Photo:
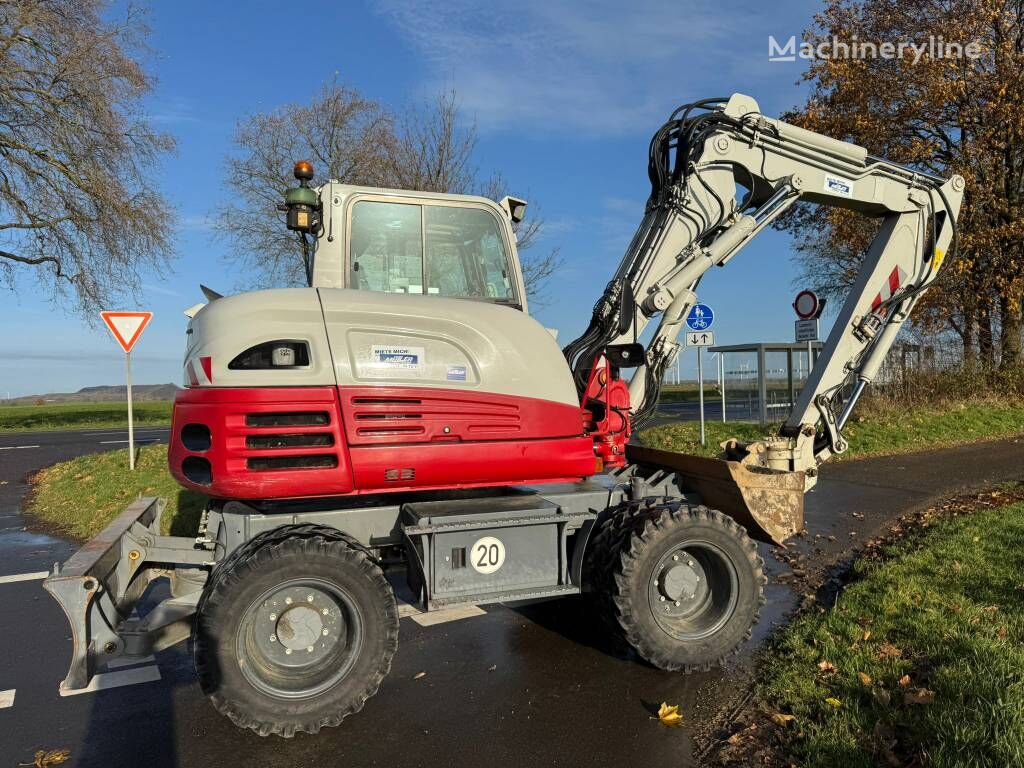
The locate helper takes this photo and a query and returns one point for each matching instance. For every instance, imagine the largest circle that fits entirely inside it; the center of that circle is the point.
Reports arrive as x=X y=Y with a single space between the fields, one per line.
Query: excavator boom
x=694 y=220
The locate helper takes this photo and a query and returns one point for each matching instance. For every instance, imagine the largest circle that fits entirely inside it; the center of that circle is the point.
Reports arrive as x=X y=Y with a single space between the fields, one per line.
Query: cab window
x=435 y=249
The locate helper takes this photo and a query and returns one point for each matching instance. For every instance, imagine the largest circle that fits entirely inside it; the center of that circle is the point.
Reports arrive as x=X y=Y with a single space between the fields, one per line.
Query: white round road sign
x=806 y=305
x=487 y=554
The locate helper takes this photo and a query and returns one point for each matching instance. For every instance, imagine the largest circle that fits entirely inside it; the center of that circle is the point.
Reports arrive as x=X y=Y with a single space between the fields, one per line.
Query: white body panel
x=432 y=341
x=230 y=325
x=381 y=339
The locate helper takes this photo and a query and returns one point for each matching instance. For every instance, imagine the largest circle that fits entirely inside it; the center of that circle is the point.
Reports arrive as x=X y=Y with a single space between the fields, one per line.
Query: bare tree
x=347 y=137
x=78 y=207
x=353 y=140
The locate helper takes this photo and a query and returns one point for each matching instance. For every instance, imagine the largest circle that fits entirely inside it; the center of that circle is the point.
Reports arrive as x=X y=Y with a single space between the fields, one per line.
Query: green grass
x=80 y=497
x=946 y=610
x=877 y=434
x=37 y=418
x=684 y=436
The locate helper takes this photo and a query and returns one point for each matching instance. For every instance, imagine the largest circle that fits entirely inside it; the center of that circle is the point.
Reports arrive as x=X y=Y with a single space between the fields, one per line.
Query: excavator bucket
x=767 y=502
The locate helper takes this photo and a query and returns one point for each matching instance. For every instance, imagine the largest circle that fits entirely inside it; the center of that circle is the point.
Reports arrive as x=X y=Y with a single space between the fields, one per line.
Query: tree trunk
x=986 y=345
x=1010 y=338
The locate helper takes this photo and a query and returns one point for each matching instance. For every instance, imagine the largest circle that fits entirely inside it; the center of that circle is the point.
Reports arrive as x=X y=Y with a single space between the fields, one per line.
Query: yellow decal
x=937 y=259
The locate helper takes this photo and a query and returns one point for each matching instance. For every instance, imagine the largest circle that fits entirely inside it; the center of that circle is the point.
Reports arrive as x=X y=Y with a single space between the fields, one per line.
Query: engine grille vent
x=310 y=419
x=267 y=442
x=267 y=463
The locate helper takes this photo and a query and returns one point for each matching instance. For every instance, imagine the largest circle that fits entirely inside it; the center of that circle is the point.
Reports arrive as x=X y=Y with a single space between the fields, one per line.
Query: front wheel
x=295 y=634
x=683 y=584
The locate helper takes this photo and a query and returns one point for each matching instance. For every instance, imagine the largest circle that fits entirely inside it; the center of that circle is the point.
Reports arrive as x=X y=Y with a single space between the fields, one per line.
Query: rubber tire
x=246 y=575
x=628 y=549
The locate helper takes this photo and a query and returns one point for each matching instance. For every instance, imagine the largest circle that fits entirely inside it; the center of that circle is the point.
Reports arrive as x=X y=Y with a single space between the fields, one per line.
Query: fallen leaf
x=866 y=636
x=833 y=702
x=419 y=675
x=904 y=682
x=882 y=696
x=1002 y=632
x=919 y=696
x=826 y=666
x=781 y=718
x=670 y=715
x=44 y=758
x=889 y=651
x=864 y=678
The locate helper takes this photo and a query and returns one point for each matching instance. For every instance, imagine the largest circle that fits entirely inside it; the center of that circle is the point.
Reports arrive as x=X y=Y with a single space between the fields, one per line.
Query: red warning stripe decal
x=896 y=278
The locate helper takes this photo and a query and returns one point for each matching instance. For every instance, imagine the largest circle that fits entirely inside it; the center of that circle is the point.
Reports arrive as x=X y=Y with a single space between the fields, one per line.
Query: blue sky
x=565 y=97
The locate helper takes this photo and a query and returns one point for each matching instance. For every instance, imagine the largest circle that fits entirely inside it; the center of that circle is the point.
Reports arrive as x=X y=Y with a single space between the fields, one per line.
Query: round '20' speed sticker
x=487 y=554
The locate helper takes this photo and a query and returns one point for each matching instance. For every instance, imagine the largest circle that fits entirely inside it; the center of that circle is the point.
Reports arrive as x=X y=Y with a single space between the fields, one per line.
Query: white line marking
x=129 y=661
x=445 y=615
x=107 y=680
x=14 y=577
x=7 y=699
x=408 y=609
x=16 y=447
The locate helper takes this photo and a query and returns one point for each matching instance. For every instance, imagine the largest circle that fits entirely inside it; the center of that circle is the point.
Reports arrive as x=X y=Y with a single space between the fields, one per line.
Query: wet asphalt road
x=511 y=687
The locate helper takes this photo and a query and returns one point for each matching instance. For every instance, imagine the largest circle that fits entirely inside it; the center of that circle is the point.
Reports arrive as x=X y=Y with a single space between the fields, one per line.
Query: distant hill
x=102 y=394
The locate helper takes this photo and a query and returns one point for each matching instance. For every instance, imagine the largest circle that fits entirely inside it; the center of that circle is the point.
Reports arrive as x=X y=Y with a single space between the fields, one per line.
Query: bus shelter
x=760 y=382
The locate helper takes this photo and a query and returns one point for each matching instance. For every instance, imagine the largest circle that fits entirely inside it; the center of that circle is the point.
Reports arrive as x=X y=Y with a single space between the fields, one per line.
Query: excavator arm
x=720 y=173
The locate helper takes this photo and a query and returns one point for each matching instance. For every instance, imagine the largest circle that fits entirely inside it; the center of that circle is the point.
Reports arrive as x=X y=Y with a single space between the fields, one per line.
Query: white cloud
x=604 y=68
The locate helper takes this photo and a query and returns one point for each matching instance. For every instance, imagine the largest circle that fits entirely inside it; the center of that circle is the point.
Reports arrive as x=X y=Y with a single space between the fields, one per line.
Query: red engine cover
x=263 y=443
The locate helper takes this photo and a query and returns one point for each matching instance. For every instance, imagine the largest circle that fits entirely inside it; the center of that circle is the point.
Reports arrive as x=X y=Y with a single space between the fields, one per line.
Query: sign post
x=808 y=308
x=126 y=328
x=699 y=321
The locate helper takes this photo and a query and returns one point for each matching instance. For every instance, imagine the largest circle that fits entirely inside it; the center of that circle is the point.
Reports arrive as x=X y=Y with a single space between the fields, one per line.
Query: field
x=919 y=662
x=37 y=418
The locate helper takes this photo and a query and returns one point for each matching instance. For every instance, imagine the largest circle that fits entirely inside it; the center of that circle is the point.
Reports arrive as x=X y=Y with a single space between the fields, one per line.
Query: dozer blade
x=768 y=503
x=93 y=587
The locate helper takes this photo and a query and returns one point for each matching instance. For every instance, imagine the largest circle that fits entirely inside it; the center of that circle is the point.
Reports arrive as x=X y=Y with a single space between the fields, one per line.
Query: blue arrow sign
x=701 y=318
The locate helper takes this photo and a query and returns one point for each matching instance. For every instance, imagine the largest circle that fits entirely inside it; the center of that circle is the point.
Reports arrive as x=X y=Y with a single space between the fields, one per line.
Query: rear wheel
x=295 y=632
x=682 y=585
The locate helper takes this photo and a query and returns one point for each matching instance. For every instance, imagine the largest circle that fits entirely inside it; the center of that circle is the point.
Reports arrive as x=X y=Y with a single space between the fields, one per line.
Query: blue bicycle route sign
x=700 y=318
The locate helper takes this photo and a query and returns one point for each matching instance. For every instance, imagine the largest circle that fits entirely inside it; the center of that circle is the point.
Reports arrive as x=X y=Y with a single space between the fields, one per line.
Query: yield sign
x=126 y=326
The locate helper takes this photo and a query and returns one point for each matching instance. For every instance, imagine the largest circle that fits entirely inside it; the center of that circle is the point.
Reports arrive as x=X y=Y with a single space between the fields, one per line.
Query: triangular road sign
x=126 y=327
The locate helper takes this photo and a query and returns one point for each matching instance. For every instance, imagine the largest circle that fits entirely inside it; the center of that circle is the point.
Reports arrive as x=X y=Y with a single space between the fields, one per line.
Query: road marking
x=106 y=680
x=430 y=618
x=407 y=609
x=129 y=661
x=15 y=577
x=16 y=447
x=122 y=431
x=7 y=699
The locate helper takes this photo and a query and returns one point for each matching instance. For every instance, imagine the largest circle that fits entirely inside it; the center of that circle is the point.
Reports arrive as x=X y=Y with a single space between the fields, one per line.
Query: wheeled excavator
x=404 y=413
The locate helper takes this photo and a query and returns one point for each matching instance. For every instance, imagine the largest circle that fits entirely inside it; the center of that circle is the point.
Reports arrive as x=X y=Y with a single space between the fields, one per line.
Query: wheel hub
x=301 y=629
x=692 y=590
x=681 y=581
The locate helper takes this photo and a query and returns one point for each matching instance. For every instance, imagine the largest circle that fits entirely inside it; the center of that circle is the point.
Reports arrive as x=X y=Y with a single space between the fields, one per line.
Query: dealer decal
x=839 y=186
x=398 y=358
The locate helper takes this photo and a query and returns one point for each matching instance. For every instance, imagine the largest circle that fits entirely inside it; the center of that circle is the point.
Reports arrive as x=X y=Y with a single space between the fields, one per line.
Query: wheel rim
x=299 y=638
x=693 y=590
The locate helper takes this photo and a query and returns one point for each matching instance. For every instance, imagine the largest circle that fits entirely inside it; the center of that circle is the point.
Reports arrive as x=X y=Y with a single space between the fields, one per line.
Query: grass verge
x=80 y=497
x=919 y=662
x=877 y=434
x=38 y=418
